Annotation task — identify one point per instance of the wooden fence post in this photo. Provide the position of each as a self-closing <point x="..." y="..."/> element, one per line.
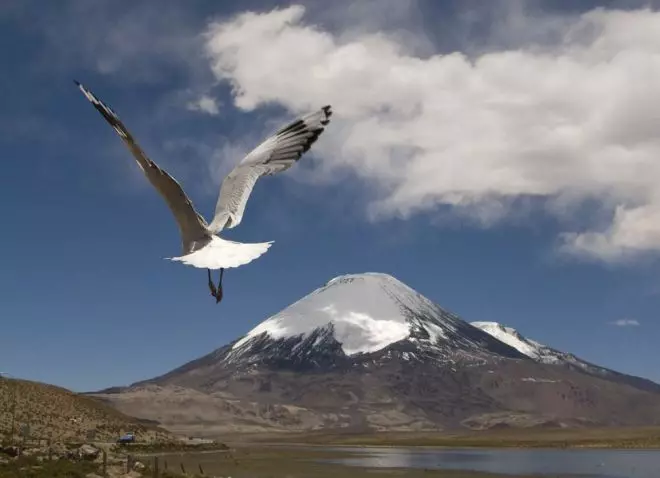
<point x="183" y="469"/>
<point x="156" y="470"/>
<point x="105" y="463"/>
<point x="201" y="470"/>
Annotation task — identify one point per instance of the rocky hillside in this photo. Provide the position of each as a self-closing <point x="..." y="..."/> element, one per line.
<point x="59" y="414"/>
<point x="367" y="352"/>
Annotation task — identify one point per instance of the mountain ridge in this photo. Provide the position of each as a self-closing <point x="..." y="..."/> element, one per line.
<point x="545" y="354"/>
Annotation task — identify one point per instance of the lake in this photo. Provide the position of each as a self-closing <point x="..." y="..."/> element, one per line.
<point x="574" y="463"/>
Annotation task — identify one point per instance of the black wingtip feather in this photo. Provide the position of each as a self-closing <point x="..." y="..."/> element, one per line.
<point x="106" y="111"/>
<point x="306" y="133"/>
<point x="295" y="126"/>
<point x="327" y="109"/>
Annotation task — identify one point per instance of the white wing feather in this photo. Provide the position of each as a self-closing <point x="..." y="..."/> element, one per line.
<point x="277" y="153"/>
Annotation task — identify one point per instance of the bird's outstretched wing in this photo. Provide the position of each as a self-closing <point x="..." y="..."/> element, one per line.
<point x="277" y="153"/>
<point x="191" y="224"/>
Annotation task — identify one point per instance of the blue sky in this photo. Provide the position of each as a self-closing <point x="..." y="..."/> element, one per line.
<point x="511" y="180"/>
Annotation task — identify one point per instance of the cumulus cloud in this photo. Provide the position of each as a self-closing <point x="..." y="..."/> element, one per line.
<point x="205" y="104"/>
<point x="626" y="323"/>
<point x="573" y="121"/>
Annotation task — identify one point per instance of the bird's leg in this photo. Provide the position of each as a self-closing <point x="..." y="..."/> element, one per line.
<point x="211" y="284"/>
<point x="219" y="294"/>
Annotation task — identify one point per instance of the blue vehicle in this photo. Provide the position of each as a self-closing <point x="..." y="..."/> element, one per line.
<point x="127" y="438"/>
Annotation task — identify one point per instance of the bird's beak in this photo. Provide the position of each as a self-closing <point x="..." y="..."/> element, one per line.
<point x="218" y="298"/>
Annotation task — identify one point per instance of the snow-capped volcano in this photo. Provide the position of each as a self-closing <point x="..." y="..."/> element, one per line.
<point x="367" y="352"/>
<point x="363" y="314"/>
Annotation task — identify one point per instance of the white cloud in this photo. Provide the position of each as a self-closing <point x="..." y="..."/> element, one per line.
<point x="632" y="231"/>
<point x="626" y="323"/>
<point x="205" y="104"/>
<point x="572" y="121"/>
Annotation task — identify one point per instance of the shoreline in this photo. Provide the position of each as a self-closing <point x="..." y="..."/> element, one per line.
<point x="443" y="447"/>
<point x="640" y="438"/>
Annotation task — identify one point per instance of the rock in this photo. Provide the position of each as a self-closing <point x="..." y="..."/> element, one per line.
<point x="71" y="455"/>
<point x="3" y="460"/>
<point x="138" y="466"/>
<point x="9" y="450"/>
<point x="92" y="475"/>
<point x="88" y="452"/>
<point x="58" y="449"/>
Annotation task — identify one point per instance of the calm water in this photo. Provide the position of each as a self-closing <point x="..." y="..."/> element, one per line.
<point x="574" y="463"/>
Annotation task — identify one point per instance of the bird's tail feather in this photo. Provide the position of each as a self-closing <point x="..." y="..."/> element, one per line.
<point x="222" y="254"/>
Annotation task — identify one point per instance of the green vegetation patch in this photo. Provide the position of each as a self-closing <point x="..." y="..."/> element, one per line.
<point x="31" y="468"/>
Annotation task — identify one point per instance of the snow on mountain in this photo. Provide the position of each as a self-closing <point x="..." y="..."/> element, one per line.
<point x="531" y="348"/>
<point x="365" y="313"/>
<point x="537" y="351"/>
<point x="363" y="310"/>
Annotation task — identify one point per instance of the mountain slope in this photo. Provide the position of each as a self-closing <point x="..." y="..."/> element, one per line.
<point x="365" y="351"/>
<point x="58" y="413"/>
<point x="544" y="354"/>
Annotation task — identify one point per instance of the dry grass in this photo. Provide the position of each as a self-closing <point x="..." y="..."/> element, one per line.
<point x="624" y="437"/>
<point x="30" y="468"/>
<point x="56" y="413"/>
<point x="166" y="447"/>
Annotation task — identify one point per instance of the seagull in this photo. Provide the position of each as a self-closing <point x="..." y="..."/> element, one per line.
<point x="201" y="245"/>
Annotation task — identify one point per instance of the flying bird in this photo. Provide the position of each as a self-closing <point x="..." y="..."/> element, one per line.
<point x="201" y="245"/>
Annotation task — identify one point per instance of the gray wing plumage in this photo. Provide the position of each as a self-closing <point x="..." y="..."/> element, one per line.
<point x="277" y="153"/>
<point x="191" y="224"/>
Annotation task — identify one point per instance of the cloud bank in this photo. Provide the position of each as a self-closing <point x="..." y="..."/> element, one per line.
<point x="571" y="122"/>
